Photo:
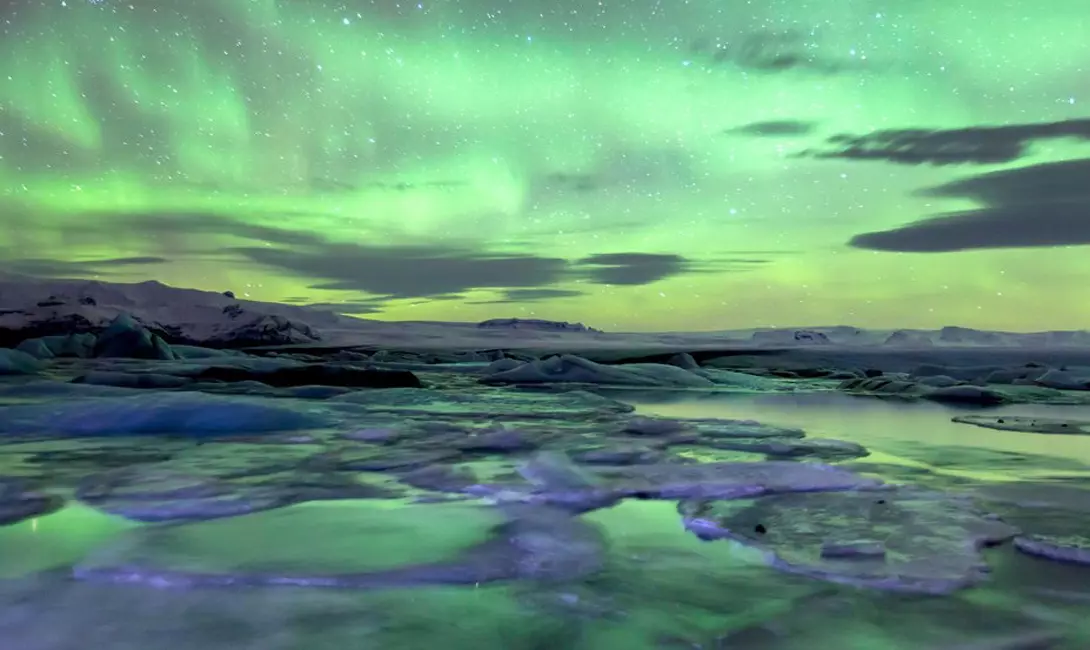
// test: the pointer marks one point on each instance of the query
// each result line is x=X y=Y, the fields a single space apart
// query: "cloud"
x=514 y=296
x=632 y=268
x=51 y=268
x=1036 y=206
x=408 y=271
x=1066 y=180
x=398 y=272
x=774 y=128
x=977 y=145
x=351 y=307
x=441 y=271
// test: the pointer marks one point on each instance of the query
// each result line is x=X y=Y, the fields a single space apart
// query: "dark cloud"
x=977 y=145
x=50 y=268
x=632 y=268
x=354 y=308
x=436 y=272
x=395 y=272
x=514 y=296
x=409 y=271
x=1064 y=181
x=774 y=128
x=1036 y=206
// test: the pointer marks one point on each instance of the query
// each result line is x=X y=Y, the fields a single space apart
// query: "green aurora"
x=633 y=164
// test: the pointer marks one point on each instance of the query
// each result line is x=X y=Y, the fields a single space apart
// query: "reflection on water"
x=661 y=588
x=887 y=427
x=56 y=540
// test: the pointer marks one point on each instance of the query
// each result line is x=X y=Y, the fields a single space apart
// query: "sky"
x=637 y=165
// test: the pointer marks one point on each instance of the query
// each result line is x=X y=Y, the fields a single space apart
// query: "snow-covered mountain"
x=35 y=307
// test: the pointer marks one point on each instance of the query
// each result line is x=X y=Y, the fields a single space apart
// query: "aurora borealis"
x=633 y=164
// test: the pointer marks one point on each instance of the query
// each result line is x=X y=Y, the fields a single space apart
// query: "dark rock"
x=229 y=294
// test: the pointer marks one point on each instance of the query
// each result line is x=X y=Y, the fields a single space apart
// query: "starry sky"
x=634 y=164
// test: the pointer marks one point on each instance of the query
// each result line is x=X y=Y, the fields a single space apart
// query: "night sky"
x=634 y=164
